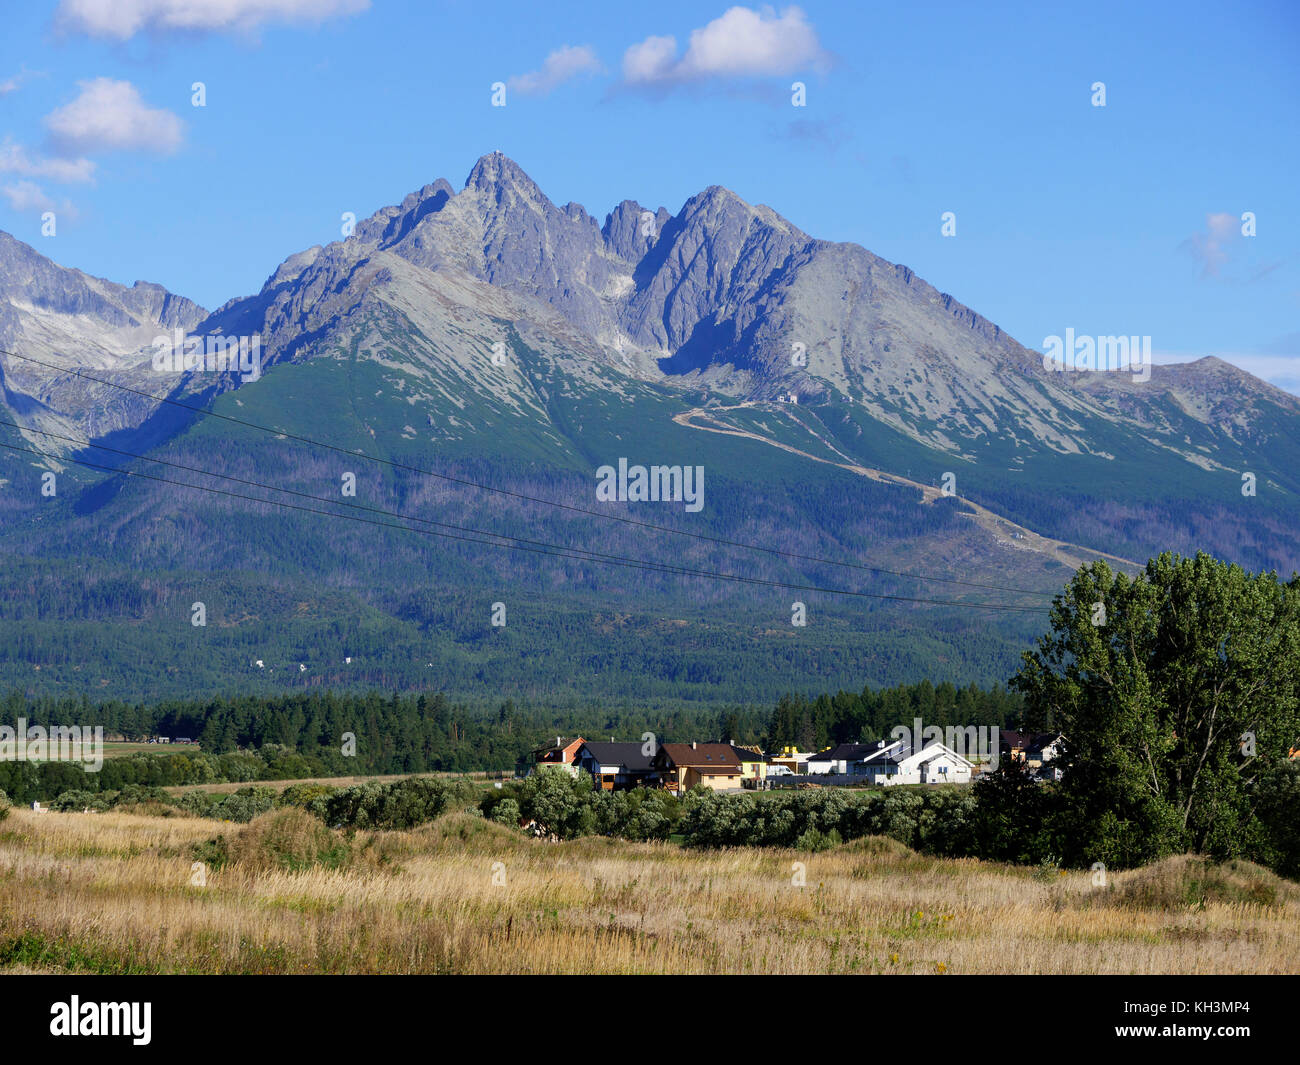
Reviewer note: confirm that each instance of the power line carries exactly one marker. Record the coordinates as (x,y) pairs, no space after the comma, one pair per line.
(655,567)
(531,499)
(594,555)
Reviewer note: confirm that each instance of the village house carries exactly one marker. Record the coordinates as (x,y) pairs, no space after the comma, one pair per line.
(1032,748)
(753,766)
(616,766)
(682,766)
(842,759)
(897,763)
(562,754)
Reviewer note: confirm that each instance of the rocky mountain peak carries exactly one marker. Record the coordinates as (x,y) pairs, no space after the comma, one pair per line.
(626,233)
(496,172)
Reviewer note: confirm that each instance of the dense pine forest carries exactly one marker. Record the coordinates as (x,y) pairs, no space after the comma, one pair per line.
(303,735)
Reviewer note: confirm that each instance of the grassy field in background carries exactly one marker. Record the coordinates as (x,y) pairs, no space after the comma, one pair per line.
(113,893)
(118,748)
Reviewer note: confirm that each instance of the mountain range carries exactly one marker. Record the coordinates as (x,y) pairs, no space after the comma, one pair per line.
(847,415)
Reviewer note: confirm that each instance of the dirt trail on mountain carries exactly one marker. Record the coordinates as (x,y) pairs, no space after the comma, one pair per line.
(1005,532)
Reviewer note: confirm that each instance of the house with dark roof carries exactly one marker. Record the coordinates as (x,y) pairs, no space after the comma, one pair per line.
(841,759)
(558,755)
(617,766)
(1033,748)
(753,765)
(682,766)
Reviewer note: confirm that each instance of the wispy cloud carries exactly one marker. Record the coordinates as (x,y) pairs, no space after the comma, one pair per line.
(17,81)
(564,64)
(829,134)
(740,43)
(123,19)
(111,115)
(1226,253)
(15,160)
(25,196)
(1211,246)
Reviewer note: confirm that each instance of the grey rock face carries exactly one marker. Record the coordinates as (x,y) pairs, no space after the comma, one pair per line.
(722,295)
(64,317)
(30,280)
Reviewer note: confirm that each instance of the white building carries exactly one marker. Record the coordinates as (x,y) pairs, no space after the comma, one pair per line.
(936,763)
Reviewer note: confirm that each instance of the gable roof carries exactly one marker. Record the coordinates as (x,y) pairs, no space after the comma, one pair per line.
(850,752)
(628,755)
(885,751)
(935,750)
(715,756)
(747,754)
(564,744)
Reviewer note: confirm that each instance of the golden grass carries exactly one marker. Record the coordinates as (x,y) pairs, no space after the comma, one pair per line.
(112,893)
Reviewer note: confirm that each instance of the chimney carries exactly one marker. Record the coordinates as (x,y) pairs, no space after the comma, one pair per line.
(557,741)
(694,745)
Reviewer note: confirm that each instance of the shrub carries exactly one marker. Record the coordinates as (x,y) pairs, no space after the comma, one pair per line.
(506,812)
(76,801)
(290,839)
(814,840)
(304,795)
(400,804)
(243,805)
(197,802)
(214,853)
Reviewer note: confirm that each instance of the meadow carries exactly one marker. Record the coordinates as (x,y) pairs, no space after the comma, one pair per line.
(120,892)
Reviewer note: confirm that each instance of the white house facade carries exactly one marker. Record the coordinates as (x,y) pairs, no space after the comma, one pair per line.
(934,764)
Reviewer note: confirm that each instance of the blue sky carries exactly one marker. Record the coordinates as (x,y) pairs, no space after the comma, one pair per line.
(1122,219)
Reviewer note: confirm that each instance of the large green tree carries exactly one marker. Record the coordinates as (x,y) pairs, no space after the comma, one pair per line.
(1177,692)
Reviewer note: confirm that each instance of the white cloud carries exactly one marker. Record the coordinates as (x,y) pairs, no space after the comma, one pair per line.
(1210,248)
(739,43)
(111,116)
(123,19)
(15,160)
(649,61)
(25,196)
(16,82)
(564,64)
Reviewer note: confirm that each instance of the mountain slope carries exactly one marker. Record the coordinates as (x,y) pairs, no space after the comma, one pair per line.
(487,336)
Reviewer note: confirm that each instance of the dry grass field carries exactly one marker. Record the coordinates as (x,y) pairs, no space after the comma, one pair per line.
(113,893)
